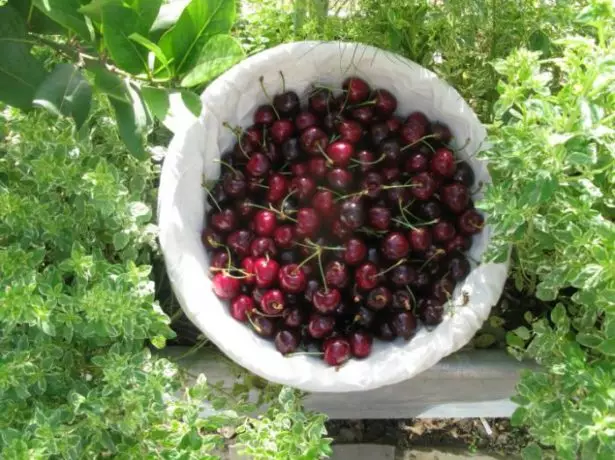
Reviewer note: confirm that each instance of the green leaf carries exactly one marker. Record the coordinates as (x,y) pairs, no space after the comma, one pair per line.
(120,240)
(523,332)
(119,22)
(514,340)
(66,13)
(607,347)
(37,22)
(157,100)
(518,416)
(532,452)
(147,10)
(66,92)
(141,40)
(558,315)
(20,73)
(588,340)
(193,102)
(219,54)
(199,21)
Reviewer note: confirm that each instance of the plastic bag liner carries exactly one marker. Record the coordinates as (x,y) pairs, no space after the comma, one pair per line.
(182,205)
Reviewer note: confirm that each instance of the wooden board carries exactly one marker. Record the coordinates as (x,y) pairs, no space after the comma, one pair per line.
(467,384)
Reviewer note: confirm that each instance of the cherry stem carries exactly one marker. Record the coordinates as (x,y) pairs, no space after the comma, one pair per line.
(212,198)
(334,138)
(437,253)
(350,195)
(237,132)
(429,136)
(258,184)
(262,83)
(306,353)
(329,160)
(227,272)
(467,142)
(411,295)
(283,82)
(322,271)
(391,187)
(330,248)
(320,187)
(305,261)
(291,193)
(282,215)
(407,224)
(256,328)
(428,145)
(362,104)
(228,165)
(260,313)
(396,264)
(367,163)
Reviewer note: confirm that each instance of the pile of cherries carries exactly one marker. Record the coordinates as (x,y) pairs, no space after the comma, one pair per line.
(339,221)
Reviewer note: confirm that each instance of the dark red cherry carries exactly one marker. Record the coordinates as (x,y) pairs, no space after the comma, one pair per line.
(443,162)
(431,311)
(265,272)
(404,324)
(340,179)
(379,298)
(394,124)
(379,218)
(326,300)
(350,131)
(336,351)
(424,186)
(308,222)
(272,302)
(320,100)
(391,150)
(225,286)
(262,246)
(258,165)
(352,213)
(398,193)
(378,132)
(355,251)
(247,265)
(402,275)
(265,222)
(390,174)
(340,152)
(418,118)
(314,140)
(255,186)
(239,242)
(291,151)
(443,289)
(386,103)
(417,162)
(366,160)
(372,184)
(411,133)
(458,267)
(293,317)
(384,330)
(464,174)
(211,239)
(284,236)
(420,239)
(366,276)
(455,196)
(317,167)
(330,122)
(244,208)
(287,103)
(459,243)
(265,327)
(395,246)
(421,282)
(321,326)
(336,274)
(443,231)
(441,132)
(273,152)
(278,188)
(429,210)
(360,344)
(219,259)
(356,90)
(471,222)
(303,187)
(224,221)
(241,307)
(304,120)
(264,115)
(364,115)
(299,169)
(311,288)
(281,131)
(292,278)
(286,341)
(340,231)
(324,203)
(235,184)
(364,317)
(402,300)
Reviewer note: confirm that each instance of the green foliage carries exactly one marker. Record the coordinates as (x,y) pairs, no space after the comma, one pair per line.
(553,165)
(109,45)
(78,308)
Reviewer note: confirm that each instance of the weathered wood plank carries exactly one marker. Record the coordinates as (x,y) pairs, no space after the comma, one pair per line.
(467,384)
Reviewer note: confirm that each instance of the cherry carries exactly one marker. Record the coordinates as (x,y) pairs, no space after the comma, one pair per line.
(421,282)
(311,288)
(471,222)
(291,150)
(458,267)
(464,174)
(366,276)
(286,341)
(403,324)
(247,265)
(455,196)
(366,160)
(379,218)
(398,193)
(303,187)
(424,186)
(308,222)
(391,150)
(292,278)
(459,243)
(313,140)
(431,311)
(429,210)
(317,166)
(265,222)
(291,299)
(224,221)
(320,100)
(219,259)
(443,162)
(443,231)
(293,317)
(363,115)
(441,132)
(304,120)
(420,239)
(257,294)
(324,203)
(330,122)
(402,300)
(265,271)
(287,103)
(416,162)
(272,152)
(258,165)
(265,327)
(360,344)
(211,239)
(281,131)
(372,184)
(402,275)
(443,289)
(419,118)
(264,115)
(352,213)
(350,131)
(386,103)
(355,251)
(364,317)
(241,307)
(395,246)
(299,169)
(288,257)
(239,242)
(340,231)
(235,184)
(255,186)
(217,196)
(391,174)
(337,351)
(340,153)
(384,330)
(373,255)
(412,132)
(225,286)
(394,123)
(379,298)
(336,274)
(357,90)
(379,132)
(244,208)
(263,246)
(284,236)
(326,300)
(340,179)
(272,302)
(320,326)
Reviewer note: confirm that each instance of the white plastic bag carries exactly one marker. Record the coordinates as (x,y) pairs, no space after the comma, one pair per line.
(182,205)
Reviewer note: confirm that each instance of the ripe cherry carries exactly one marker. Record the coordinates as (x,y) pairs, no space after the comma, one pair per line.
(258,165)
(378,132)
(355,251)
(443,289)
(304,120)
(284,236)
(286,341)
(384,330)
(391,150)
(211,239)
(350,131)
(429,210)
(239,242)
(337,351)
(272,302)
(303,187)
(293,317)
(235,184)
(424,186)
(411,133)
(265,222)
(299,169)
(281,131)
(320,100)
(317,167)
(402,275)
(241,307)
(391,174)
(402,300)
(379,298)
(225,286)
(320,326)
(420,239)
(247,265)
(366,160)
(292,278)
(379,218)
(471,222)
(219,259)
(443,231)
(386,103)
(326,300)
(352,213)
(264,115)
(336,274)
(366,276)
(308,222)
(265,327)
(443,162)
(360,344)
(263,246)
(395,246)
(403,324)
(340,231)
(363,115)
(459,243)
(340,153)
(417,162)
(224,221)
(431,311)
(357,90)
(313,140)
(287,103)
(291,150)
(455,196)
(458,267)
(339,179)
(265,272)
(441,132)
(464,174)
(324,203)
